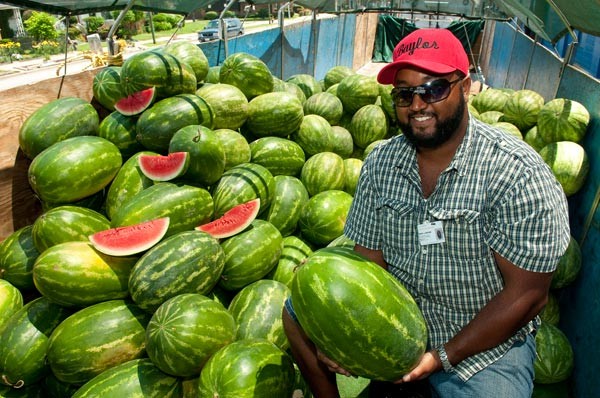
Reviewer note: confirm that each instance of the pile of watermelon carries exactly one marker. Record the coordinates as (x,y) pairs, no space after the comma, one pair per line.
(174,221)
(555,129)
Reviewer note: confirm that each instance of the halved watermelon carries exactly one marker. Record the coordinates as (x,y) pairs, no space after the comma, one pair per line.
(234,221)
(164,168)
(136,102)
(132,239)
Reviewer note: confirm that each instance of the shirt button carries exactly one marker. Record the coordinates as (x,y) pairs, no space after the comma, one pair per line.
(424,249)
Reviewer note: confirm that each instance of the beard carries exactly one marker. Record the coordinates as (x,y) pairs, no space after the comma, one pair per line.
(444,129)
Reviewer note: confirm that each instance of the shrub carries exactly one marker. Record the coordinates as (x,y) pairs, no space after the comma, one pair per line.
(40,26)
(210,15)
(93,24)
(263,13)
(229,14)
(161,26)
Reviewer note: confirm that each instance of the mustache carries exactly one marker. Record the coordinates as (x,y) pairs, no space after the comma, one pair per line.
(421,113)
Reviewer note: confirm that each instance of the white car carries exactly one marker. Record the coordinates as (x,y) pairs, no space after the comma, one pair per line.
(211,31)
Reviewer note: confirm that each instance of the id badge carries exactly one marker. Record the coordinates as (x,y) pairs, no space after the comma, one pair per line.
(431,232)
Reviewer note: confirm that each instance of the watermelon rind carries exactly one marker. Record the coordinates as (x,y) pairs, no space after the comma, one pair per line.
(135,103)
(329,293)
(132,239)
(234,221)
(164,167)
(17,257)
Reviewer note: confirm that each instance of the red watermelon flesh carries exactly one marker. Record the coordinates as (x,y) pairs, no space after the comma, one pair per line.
(164,168)
(132,239)
(135,103)
(234,221)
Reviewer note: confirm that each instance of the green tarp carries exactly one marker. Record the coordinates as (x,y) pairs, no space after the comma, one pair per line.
(549,19)
(390,30)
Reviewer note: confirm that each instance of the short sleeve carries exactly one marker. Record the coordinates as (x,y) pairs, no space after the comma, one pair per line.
(530,226)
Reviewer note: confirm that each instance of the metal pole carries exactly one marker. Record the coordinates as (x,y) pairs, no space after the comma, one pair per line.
(280,19)
(151,26)
(223,26)
(113,29)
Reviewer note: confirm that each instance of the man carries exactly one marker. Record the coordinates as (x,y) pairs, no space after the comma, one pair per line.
(467,217)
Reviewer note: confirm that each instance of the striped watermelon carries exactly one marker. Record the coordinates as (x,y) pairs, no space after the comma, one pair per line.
(11,300)
(324,216)
(66,224)
(213,75)
(562,119)
(256,310)
(135,378)
(187,262)
(386,102)
(107,88)
(228,103)
(509,128)
(17,256)
(307,83)
(569,163)
(490,99)
(324,104)
(236,147)
(568,266)
(156,68)
(278,155)
(314,135)
(120,130)
(247,369)
(291,88)
(129,181)
(274,114)
(330,294)
(74,169)
(323,171)
(185,205)
(250,255)
(522,109)
(56,121)
(185,331)
(241,184)
(289,197)
(294,254)
(157,124)
(356,91)
(85,276)
(343,144)
(207,156)
(335,75)
(95,339)
(490,117)
(368,124)
(191,54)
(24,341)
(352,167)
(554,359)
(248,73)
(551,312)
(533,138)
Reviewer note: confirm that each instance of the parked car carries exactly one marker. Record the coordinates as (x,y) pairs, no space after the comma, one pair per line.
(211,31)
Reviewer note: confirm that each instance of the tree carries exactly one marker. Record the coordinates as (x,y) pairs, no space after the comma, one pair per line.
(41,26)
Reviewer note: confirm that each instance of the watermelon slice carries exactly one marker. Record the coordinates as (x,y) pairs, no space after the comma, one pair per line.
(132,239)
(135,103)
(164,168)
(233,221)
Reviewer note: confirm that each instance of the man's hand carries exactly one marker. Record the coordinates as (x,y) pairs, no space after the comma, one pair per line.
(429,363)
(331,365)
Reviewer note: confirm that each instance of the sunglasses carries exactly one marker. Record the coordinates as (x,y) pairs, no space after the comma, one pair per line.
(430,92)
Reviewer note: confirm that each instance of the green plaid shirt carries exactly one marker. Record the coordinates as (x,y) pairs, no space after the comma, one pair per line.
(497,194)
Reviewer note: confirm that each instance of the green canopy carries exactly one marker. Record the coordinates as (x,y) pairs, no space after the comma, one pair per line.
(549,19)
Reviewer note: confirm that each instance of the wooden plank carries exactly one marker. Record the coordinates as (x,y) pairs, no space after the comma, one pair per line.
(18,206)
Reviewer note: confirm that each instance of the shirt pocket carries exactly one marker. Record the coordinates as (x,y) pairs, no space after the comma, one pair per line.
(464,233)
(398,225)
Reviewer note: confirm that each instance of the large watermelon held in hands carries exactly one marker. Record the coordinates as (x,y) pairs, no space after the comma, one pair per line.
(329,294)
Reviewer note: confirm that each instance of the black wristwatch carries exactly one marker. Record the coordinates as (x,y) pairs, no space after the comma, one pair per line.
(444,358)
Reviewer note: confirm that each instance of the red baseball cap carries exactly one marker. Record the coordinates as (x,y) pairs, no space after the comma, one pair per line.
(436,51)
